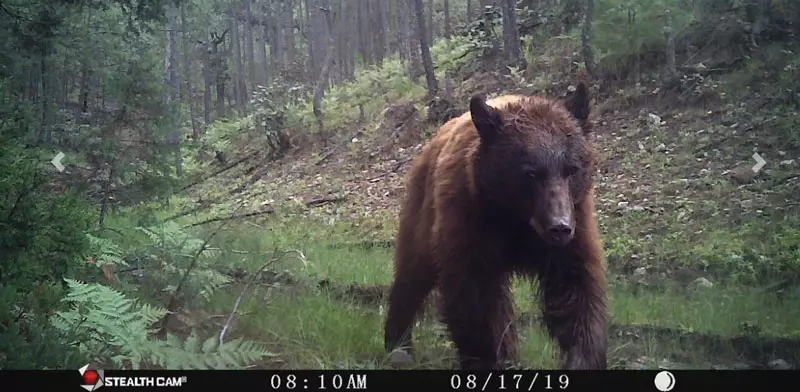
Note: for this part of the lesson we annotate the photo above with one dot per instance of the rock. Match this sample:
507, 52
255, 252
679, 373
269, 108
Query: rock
779, 364
661, 147
400, 358
654, 119
701, 283
788, 162
639, 272
742, 175
637, 208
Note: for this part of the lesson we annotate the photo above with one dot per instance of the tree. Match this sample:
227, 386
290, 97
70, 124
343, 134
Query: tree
511, 41
427, 61
586, 40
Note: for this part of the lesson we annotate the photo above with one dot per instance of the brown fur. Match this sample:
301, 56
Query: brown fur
472, 218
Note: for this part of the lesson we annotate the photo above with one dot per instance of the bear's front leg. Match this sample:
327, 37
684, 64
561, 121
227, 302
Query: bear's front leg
474, 307
574, 308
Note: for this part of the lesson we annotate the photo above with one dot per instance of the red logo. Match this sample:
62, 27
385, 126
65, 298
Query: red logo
92, 378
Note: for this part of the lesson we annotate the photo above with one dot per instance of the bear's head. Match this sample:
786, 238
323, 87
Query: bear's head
535, 162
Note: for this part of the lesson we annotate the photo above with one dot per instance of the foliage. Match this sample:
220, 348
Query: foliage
40, 225
119, 329
371, 90
624, 29
452, 54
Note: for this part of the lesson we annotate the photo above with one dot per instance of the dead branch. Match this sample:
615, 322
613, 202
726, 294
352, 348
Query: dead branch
324, 200
232, 217
220, 171
277, 257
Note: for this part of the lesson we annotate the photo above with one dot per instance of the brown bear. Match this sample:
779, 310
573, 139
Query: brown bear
506, 188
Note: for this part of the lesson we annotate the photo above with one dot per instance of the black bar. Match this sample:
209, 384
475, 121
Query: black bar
414, 381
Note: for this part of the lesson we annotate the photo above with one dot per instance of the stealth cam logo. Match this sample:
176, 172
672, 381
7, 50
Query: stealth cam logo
92, 379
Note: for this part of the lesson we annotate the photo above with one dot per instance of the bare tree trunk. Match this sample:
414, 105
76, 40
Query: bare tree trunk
220, 71
249, 49
403, 31
427, 61
363, 31
84, 89
511, 42
187, 74
429, 28
288, 31
207, 81
172, 61
670, 36
236, 52
447, 31
415, 68
586, 40
317, 36
319, 91
382, 49
312, 59
44, 71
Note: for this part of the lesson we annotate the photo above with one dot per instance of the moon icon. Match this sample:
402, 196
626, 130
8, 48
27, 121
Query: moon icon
664, 381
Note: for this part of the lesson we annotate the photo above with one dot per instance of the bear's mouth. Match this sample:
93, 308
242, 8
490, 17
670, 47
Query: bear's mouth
557, 234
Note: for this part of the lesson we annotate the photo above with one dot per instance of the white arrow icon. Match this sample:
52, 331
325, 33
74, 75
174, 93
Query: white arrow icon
760, 162
57, 161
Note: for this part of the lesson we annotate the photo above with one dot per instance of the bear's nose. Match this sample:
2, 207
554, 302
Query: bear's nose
560, 233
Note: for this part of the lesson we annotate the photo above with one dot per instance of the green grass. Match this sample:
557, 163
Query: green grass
312, 328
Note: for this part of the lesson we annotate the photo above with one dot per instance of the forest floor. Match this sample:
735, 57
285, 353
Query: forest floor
680, 217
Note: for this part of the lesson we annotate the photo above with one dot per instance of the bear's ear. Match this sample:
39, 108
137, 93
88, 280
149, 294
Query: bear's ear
487, 120
578, 104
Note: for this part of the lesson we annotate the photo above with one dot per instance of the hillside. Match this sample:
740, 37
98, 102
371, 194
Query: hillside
238, 208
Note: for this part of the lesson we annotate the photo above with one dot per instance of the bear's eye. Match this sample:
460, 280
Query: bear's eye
571, 170
534, 173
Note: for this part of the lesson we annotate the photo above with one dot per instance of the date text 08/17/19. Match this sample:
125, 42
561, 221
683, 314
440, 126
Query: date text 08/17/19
511, 382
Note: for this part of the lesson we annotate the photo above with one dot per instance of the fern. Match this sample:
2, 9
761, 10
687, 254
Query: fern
118, 329
104, 251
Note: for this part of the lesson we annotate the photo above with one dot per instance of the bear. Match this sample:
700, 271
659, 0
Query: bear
505, 189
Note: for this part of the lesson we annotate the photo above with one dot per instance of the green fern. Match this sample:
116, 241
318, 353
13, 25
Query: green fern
104, 251
118, 329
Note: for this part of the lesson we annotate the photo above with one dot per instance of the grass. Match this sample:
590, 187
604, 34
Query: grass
314, 328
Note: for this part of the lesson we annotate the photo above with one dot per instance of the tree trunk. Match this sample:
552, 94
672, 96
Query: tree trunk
172, 59
249, 49
429, 28
511, 42
427, 61
207, 82
586, 40
239, 83
319, 91
187, 74
288, 31
447, 31
670, 36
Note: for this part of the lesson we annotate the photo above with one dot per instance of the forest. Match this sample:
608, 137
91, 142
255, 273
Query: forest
215, 184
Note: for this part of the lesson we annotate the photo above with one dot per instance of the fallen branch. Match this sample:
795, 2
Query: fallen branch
220, 171
174, 297
232, 217
253, 278
325, 200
